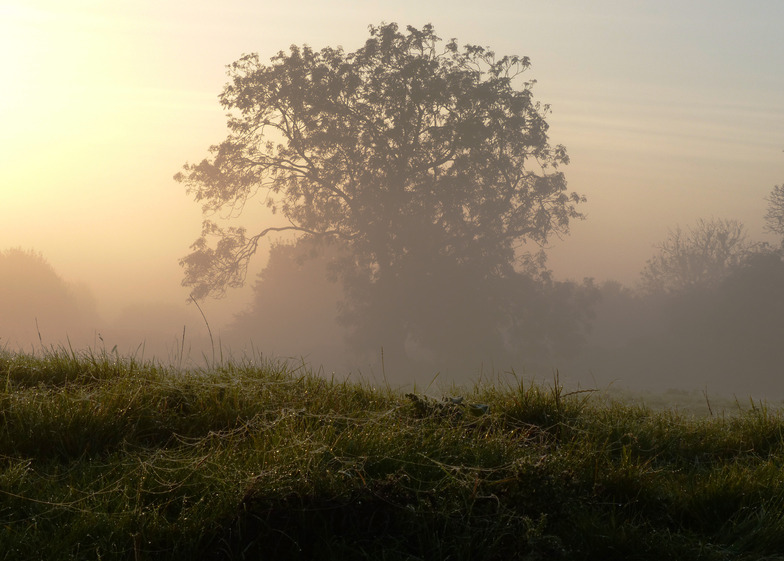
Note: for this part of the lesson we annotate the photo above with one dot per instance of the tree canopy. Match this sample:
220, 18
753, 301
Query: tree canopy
774, 217
699, 257
429, 162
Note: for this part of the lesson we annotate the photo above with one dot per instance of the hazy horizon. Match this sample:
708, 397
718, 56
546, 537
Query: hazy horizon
670, 113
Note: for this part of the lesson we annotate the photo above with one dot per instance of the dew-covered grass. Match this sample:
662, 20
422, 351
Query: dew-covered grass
103, 457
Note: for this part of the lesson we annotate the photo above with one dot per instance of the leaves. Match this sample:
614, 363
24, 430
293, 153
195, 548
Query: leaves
774, 217
429, 162
698, 258
351, 142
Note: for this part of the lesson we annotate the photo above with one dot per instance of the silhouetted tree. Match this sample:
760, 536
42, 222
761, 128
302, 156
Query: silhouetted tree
774, 218
429, 162
700, 257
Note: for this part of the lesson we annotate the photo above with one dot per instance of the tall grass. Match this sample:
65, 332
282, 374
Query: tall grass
104, 457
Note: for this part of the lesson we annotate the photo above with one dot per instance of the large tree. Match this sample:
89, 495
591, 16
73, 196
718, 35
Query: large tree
430, 163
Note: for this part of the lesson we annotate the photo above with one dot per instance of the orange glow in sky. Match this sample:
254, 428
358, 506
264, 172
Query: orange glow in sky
670, 111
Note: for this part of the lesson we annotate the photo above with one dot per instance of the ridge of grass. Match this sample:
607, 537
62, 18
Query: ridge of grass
103, 457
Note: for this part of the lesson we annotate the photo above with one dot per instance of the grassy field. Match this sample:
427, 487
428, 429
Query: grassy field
105, 458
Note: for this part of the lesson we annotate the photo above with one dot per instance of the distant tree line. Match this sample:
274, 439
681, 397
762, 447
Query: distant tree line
36, 303
709, 309
39, 308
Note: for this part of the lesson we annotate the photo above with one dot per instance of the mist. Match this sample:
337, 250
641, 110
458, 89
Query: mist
93, 228
723, 337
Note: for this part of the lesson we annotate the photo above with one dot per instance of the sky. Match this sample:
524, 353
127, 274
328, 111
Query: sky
670, 112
